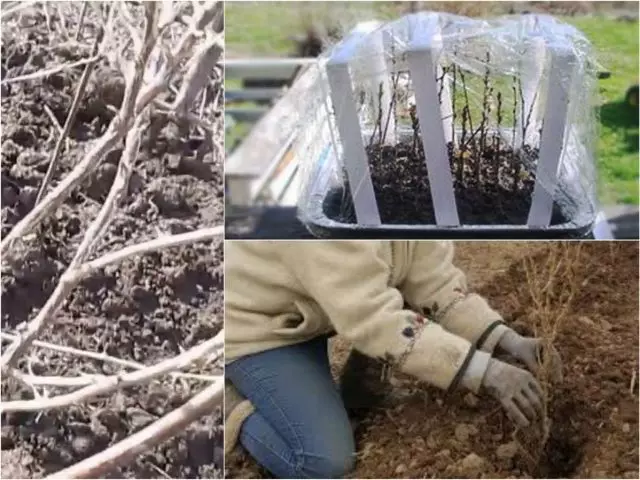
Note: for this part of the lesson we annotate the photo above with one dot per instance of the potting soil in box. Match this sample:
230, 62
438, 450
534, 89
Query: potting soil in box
485, 195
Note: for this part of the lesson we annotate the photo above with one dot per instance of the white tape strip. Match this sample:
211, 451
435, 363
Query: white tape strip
422, 57
354, 155
563, 63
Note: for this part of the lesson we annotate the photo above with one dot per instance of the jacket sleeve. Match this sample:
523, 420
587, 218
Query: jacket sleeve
350, 282
435, 287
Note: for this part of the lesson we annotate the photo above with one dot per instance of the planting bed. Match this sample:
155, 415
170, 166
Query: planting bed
146, 309
418, 432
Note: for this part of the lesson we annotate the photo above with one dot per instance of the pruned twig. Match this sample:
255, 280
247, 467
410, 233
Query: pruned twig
392, 105
466, 96
497, 138
378, 125
513, 135
453, 101
484, 124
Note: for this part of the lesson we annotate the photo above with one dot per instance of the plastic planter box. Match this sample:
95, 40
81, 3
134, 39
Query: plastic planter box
450, 72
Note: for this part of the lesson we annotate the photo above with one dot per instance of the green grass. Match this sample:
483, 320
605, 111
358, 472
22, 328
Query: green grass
617, 47
264, 29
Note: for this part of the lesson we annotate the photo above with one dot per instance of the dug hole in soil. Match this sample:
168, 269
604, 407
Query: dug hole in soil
418, 432
146, 309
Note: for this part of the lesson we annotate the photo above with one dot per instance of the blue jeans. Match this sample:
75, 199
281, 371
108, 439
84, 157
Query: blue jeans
300, 428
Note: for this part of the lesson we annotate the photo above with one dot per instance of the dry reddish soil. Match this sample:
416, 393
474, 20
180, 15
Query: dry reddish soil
146, 309
418, 432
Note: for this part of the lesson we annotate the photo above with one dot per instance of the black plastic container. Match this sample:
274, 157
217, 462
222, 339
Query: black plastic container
318, 221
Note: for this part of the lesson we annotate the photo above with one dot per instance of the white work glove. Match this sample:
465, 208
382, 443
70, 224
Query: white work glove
515, 388
530, 352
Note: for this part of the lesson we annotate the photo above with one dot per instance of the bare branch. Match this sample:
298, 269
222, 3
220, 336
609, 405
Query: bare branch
211, 11
32, 381
94, 233
49, 24
160, 243
51, 71
53, 118
55, 381
15, 8
63, 23
83, 12
53, 163
197, 76
112, 383
116, 131
168, 426
134, 84
167, 110
103, 357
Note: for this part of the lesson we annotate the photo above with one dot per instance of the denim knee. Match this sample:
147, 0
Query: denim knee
337, 464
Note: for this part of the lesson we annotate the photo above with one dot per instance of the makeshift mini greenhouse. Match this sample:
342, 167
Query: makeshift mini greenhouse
438, 124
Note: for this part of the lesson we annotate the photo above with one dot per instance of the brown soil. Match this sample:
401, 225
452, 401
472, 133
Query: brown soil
420, 433
145, 309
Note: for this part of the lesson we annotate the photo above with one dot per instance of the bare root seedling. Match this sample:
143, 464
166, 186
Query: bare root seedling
552, 285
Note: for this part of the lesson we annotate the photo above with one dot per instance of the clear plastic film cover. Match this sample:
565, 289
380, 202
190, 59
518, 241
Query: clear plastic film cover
445, 121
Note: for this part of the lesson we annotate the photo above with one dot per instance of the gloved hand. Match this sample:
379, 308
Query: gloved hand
530, 352
516, 389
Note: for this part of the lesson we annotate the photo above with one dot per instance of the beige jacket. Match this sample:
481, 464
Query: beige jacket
281, 293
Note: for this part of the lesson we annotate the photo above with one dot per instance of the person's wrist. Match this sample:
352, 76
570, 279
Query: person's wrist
476, 369
510, 341
492, 341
